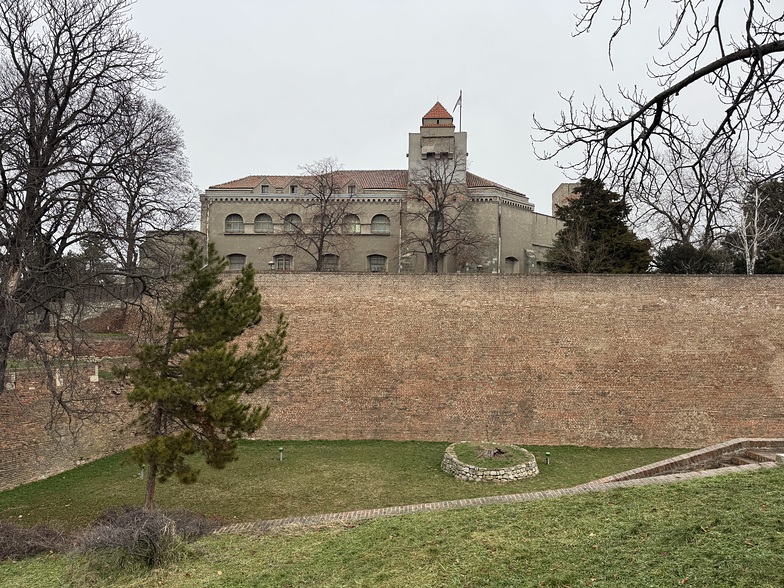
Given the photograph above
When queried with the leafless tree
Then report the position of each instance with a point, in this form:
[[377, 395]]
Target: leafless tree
[[685, 204], [325, 207], [439, 215], [735, 47], [148, 191], [67, 68], [757, 216]]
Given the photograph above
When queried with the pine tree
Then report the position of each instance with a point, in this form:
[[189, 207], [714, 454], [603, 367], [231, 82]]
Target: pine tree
[[595, 238], [188, 386]]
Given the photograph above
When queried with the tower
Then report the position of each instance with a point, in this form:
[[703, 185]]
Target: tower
[[435, 140]]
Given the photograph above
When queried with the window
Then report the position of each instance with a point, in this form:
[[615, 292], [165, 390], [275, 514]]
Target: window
[[435, 221], [262, 223], [292, 223], [351, 224], [282, 262], [235, 224], [510, 265], [379, 225], [292, 189], [265, 189], [377, 263], [330, 263], [352, 190], [236, 262]]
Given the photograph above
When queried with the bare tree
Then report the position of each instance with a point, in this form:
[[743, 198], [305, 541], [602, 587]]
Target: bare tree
[[325, 207], [757, 215], [439, 215], [148, 191], [736, 48], [683, 204], [67, 68]]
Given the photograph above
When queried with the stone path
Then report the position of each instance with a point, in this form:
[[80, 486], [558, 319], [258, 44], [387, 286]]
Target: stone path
[[315, 521]]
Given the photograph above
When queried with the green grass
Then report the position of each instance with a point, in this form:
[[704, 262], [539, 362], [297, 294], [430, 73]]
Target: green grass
[[710, 533], [467, 453], [315, 477]]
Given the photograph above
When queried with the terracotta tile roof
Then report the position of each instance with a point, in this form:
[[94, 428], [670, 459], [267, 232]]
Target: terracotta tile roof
[[475, 181], [438, 111], [367, 179]]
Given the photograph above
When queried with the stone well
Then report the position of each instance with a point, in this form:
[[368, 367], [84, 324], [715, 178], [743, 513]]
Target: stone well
[[470, 473]]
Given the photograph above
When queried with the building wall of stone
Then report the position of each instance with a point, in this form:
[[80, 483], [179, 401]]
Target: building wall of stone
[[678, 361], [260, 249]]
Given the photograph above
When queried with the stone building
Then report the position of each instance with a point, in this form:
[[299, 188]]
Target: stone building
[[385, 222]]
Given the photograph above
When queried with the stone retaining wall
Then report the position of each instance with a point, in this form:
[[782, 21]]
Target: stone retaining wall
[[451, 464]]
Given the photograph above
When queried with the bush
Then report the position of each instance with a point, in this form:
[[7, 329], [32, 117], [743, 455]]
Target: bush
[[21, 542], [132, 535]]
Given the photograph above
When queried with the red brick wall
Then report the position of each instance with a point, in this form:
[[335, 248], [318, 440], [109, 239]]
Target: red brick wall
[[598, 360]]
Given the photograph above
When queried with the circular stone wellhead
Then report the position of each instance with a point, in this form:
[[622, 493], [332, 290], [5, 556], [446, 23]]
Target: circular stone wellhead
[[526, 468]]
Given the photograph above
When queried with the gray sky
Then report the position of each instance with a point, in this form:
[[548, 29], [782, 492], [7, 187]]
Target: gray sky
[[266, 86]]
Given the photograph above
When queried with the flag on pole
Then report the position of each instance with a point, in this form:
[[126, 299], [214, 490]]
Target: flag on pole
[[459, 101]]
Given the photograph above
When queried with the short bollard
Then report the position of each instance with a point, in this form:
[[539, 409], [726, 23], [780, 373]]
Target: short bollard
[[281, 453], [547, 457]]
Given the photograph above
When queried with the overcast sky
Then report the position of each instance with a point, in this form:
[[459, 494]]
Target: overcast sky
[[262, 87]]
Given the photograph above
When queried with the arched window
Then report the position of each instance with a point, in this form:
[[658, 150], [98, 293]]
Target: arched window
[[379, 225], [234, 224], [377, 263], [262, 223], [330, 263], [351, 224], [236, 262], [435, 221], [510, 265], [282, 262], [292, 223]]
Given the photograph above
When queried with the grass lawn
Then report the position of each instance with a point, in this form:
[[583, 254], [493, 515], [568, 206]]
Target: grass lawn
[[711, 533], [314, 477]]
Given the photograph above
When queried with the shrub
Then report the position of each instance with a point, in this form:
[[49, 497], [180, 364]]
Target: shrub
[[21, 542], [132, 536]]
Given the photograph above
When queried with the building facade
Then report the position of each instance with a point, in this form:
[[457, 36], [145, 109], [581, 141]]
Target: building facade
[[390, 220]]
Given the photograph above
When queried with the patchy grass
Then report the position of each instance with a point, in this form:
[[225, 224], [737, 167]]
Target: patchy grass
[[471, 454], [314, 477], [711, 533]]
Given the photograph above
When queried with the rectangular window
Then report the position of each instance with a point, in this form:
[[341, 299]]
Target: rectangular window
[[377, 263], [292, 189], [352, 190], [265, 189]]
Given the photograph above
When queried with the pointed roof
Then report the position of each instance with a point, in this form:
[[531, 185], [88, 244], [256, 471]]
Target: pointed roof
[[437, 112]]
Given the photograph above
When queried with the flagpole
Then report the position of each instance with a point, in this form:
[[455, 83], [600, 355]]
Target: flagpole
[[460, 116]]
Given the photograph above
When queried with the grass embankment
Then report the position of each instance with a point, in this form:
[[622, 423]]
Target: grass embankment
[[711, 533], [314, 477]]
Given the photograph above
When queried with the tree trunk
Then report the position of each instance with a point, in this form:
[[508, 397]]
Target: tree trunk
[[149, 497], [5, 349], [152, 465]]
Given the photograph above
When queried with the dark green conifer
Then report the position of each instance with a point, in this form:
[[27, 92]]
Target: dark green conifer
[[595, 238], [188, 386]]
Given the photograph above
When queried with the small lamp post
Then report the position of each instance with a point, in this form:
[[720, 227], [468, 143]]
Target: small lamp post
[[280, 449], [547, 457]]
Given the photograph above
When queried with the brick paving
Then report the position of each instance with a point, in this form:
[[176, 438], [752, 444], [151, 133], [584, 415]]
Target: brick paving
[[346, 518]]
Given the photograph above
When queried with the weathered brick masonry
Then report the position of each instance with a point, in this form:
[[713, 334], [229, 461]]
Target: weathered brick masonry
[[600, 360], [597, 360]]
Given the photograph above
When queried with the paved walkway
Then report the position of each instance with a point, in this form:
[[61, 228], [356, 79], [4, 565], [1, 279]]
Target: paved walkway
[[315, 521]]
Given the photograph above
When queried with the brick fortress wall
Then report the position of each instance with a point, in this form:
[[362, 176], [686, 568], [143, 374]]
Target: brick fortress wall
[[679, 361]]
